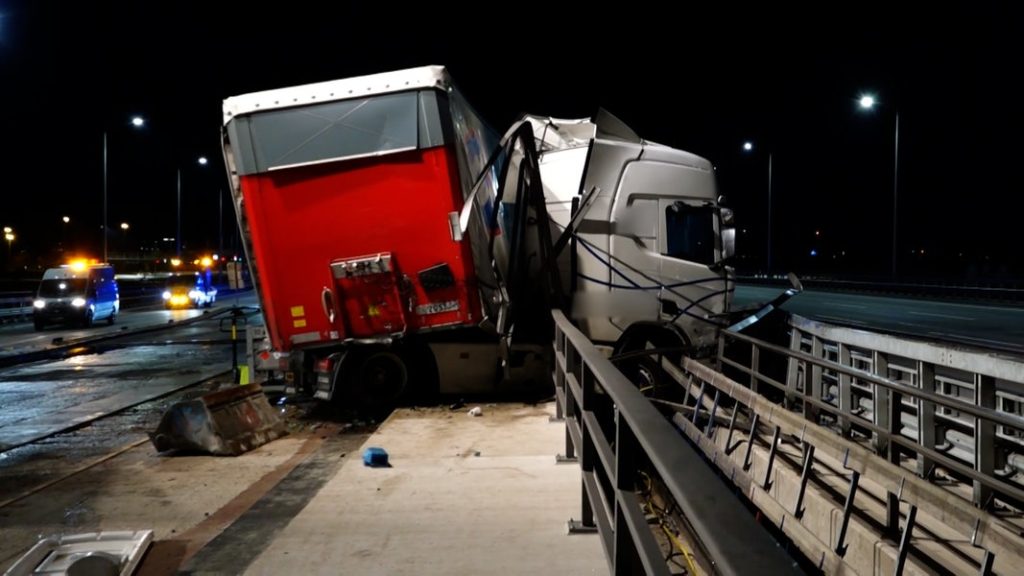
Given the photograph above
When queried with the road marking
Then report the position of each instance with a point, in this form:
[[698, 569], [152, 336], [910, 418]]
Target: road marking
[[912, 324], [847, 320], [850, 306], [951, 317]]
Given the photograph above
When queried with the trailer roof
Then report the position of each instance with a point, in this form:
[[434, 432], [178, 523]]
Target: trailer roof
[[357, 87]]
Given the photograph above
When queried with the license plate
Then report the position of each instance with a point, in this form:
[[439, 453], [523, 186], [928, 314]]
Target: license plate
[[437, 307]]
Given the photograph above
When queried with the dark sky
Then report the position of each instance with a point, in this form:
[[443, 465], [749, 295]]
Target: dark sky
[[698, 78]]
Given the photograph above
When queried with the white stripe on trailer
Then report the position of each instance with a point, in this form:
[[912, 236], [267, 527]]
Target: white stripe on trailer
[[358, 87]]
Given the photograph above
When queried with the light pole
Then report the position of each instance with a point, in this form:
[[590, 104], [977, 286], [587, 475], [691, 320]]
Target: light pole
[[137, 122], [748, 146], [64, 233], [9, 236], [202, 161], [868, 102], [124, 239]]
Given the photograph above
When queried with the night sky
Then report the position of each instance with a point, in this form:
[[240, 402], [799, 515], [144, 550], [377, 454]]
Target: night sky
[[698, 78]]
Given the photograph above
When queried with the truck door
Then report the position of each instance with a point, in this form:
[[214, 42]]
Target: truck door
[[635, 260], [688, 240]]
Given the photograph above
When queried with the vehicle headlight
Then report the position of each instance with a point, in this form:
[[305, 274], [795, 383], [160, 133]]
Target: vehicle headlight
[[78, 302], [167, 294], [39, 304], [193, 294]]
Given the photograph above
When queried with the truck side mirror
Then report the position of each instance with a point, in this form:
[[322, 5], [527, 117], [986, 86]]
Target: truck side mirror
[[728, 233], [728, 243]]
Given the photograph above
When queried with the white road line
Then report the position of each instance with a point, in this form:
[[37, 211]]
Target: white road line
[[912, 324], [846, 320], [939, 315], [850, 306]]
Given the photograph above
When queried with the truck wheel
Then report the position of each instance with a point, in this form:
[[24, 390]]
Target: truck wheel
[[111, 319], [644, 370], [87, 320], [385, 378], [39, 324], [380, 379]]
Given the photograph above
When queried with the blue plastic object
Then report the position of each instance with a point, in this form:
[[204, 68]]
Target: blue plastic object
[[375, 457]]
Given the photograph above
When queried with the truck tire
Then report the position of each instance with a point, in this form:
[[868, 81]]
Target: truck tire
[[375, 378], [39, 325], [644, 370]]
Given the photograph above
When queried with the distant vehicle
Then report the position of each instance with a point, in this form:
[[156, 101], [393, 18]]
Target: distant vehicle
[[76, 294], [189, 291]]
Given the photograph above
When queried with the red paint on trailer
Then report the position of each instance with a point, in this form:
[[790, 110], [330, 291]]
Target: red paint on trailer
[[303, 218]]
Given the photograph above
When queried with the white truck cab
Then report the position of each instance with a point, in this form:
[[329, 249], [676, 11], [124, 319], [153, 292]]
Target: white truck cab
[[651, 238]]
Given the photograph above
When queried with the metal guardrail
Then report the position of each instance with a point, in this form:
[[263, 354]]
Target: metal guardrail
[[15, 307], [861, 399], [615, 430], [1014, 292]]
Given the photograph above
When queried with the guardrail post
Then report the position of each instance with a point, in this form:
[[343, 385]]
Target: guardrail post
[[908, 530], [625, 555], [880, 402], [793, 368], [813, 388], [755, 361], [984, 437], [846, 405], [925, 418], [847, 511]]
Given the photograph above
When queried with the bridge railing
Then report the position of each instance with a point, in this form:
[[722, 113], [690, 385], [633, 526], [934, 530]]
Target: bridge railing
[[15, 307], [864, 399], [616, 431]]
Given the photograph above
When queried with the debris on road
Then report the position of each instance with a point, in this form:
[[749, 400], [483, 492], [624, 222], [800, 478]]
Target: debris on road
[[476, 411], [375, 457], [227, 422], [98, 553]]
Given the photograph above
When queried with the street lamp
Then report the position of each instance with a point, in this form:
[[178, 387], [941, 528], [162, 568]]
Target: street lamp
[[748, 146], [9, 236], [202, 161], [137, 122], [868, 102]]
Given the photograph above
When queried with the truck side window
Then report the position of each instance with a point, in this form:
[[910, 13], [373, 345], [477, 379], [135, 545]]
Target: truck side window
[[691, 232]]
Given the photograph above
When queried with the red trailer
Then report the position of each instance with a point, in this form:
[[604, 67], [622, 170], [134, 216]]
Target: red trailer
[[351, 196]]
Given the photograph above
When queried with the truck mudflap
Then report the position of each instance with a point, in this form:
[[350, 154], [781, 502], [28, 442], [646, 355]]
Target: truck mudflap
[[225, 423]]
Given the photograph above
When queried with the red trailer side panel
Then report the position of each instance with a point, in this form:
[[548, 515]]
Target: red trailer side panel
[[305, 218]]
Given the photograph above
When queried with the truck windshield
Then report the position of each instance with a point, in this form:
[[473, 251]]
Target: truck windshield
[[61, 287], [690, 232]]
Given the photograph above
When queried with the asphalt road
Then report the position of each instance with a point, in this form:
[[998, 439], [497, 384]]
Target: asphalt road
[[986, 326]]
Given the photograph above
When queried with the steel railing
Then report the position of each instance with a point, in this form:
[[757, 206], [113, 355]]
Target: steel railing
[[615, 430], [863, 399]]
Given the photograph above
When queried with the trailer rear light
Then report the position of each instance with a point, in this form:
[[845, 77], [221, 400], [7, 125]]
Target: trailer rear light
[[324, 364]]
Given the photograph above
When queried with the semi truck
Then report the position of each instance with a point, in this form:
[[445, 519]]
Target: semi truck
[[399, 246]]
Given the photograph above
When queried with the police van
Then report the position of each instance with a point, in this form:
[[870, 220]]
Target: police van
[[77, 294]]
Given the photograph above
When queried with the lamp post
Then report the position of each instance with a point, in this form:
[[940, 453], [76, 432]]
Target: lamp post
[[748, 146], [202, 161], [9, 236], [124, 239], [868, 102], [137, 122]]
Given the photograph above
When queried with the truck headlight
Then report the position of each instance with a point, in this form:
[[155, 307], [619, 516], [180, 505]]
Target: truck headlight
[[167, 294], [78, 302], [39, 303]]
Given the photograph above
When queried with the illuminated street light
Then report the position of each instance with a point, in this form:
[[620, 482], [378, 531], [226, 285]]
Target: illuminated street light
[[748, 146], [137, 122], [66, 219], [202, 161], [124, 226], [868, 102]]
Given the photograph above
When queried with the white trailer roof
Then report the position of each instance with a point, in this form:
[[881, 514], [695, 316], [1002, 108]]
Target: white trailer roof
[[357, 87]]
